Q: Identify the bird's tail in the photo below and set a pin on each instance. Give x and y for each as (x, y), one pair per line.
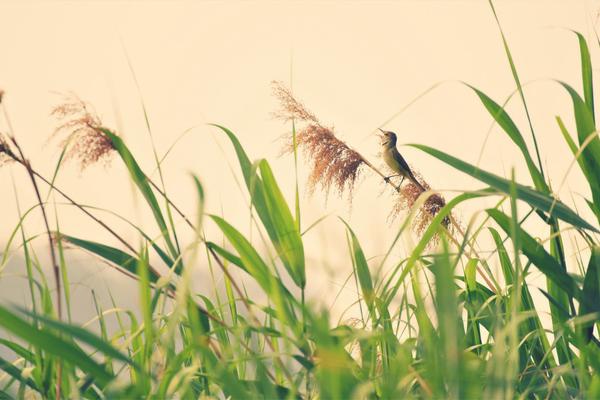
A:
(416, 182)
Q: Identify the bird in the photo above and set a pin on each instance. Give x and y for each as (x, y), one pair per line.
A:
(394, 159)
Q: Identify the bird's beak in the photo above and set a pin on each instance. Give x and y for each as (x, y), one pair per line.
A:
(382, 133)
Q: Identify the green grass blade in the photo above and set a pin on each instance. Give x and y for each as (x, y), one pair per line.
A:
(506, 123)
(114, 255)
(586, 73)
(587, 135)
(362, 270)
(53, 344)
(141, 181)
(533, 197)
(536, 253)
(287, 240)
(590, 297)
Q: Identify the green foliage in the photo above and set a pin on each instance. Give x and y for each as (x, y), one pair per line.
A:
(440, 323)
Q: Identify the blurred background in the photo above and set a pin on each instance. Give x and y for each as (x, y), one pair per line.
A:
(354, 64)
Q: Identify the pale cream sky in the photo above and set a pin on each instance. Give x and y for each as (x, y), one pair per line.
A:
(355, 64)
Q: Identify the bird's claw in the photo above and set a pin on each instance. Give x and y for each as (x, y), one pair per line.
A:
(386, 179)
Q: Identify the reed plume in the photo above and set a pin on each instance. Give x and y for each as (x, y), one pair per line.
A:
(336, 165)
(84, 141)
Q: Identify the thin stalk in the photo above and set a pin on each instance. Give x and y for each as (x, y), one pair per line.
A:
(253, 317)
(53, 259)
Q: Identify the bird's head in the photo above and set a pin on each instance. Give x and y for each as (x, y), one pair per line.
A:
(387, 138)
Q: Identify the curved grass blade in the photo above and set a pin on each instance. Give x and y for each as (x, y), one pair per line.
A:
(586, 134)
(53, 344)
(506, 123)
(17, 374)
(141, 181)
(362, 270)
(536, 253)
(114, 255)
(273, 211)
(586, 73)
(83, 335)
(258, 269)
(287, 240)
(532, 197)
(590, 301)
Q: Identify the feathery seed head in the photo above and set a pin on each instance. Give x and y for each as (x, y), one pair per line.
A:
(333, 162)
(84, 139)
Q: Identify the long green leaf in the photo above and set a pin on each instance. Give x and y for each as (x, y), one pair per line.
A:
(586, 73)
(362, 269)
(539, 257)
(586, 134)
(53, 344)
(533, 197)
(273, 211)
(141, 181)
(287, 240)
(590, 301)
(114, 255)
(507, 124)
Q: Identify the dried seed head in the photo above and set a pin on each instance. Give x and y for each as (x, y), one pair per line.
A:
(84, 139)
(333, 163)
(406, 199)
(291, 109)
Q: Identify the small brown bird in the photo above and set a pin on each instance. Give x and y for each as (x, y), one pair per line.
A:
(394, 159)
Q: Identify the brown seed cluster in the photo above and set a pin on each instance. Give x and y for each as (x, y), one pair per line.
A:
(84, 141)
(333, 163)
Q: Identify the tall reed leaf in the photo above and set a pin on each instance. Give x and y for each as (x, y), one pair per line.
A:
(506, 123)
(586, 73)
(53, 344)
(590, 302)
(111, 254)
(536, 253)
(362, 270)
(141, 181)
(590, 155)
(273, 211)
(256, 267)
(287, 238)
(533, 197)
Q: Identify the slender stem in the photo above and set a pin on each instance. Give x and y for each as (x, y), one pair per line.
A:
(252, 316)
(55, 267)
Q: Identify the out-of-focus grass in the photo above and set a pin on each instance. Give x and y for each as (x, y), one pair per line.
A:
(440, 324)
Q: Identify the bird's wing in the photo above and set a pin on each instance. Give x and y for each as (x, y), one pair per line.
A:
(400, 160)
(404, 165)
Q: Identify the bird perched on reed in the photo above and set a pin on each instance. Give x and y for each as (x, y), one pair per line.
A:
(394, 159)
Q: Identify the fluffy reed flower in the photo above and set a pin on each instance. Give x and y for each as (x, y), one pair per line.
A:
(407, 197)
(85, 141)
(333, 163)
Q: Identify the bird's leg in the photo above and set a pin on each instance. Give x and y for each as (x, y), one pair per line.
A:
(401, 180)
(387, 178)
